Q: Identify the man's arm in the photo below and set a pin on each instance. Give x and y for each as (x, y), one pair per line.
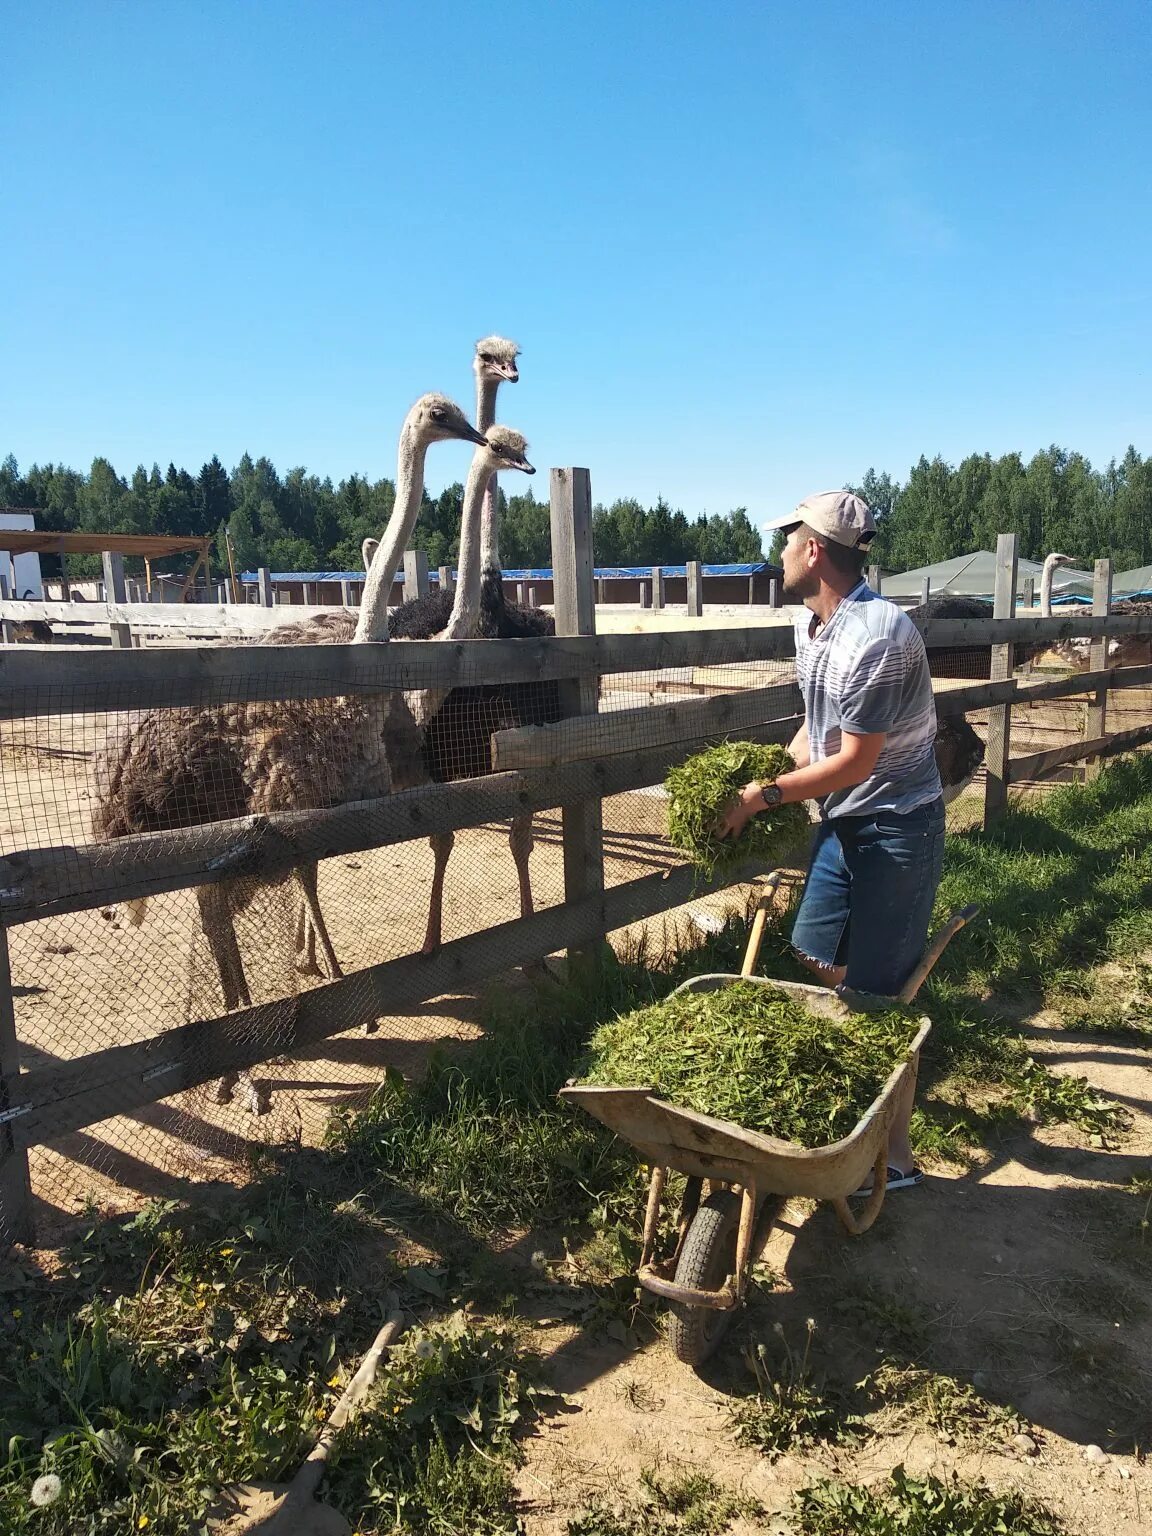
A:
(798, 748)
(855, 761)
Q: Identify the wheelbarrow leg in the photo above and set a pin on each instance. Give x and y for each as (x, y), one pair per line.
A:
(760, 921)
(858, 1224)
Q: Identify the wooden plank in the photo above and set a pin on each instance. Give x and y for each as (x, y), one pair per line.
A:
(694, 580)
(1000, 716)
(570, 510)
(43, 882)
(1038, 764)
(622, 730)
(970, 696)
(15, 1188)
(50, 682)
(415, 574)
(1076, 623)
(54, 1101)
(1096, 721)
(116, 592)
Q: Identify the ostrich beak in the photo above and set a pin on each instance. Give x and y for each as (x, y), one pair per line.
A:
(529, 469)
(508, 371)
(470, 435)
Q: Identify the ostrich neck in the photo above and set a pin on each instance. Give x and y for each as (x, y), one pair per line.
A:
(486, 391)
(464, 620)
(372, 620)
(1046, 576)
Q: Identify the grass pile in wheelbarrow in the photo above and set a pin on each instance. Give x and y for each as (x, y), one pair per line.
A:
(702, 786)
(755, 1056)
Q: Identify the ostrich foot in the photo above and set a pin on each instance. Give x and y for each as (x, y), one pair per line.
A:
(225, 1088)
(257, 1096)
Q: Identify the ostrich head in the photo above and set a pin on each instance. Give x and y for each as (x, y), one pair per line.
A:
(507, 449)
(1046, 575)
(496, 359)
(436, 419)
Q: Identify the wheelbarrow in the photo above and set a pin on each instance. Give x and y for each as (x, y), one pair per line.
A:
(730, 1172)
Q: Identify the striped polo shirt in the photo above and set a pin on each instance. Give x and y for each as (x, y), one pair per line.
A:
(866, 671)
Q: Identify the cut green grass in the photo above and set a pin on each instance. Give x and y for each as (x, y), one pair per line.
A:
(952, 1408)
(755, 1056)
(690, 1505)
(700, 788)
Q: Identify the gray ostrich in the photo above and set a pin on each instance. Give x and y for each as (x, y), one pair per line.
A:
(182, 768)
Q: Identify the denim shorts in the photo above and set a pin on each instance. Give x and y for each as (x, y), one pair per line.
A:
(868, 898)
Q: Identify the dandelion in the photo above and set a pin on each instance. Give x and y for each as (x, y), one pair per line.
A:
(46, 1490)
(16, 1312)
(778, 1330)
(425, 1349)
(810, 1324)
(539, 1259)
(335, 1382)
(226, 1253)
(143, 1523)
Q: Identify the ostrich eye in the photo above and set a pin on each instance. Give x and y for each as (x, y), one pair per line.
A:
(437, 413)
(486, 357)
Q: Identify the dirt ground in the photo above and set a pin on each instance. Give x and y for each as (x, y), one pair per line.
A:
(1026, 1277)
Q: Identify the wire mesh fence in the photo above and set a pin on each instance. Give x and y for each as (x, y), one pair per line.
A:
(116, 963)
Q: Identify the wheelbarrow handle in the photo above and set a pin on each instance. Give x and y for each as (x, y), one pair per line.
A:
(760, 921)
(937, 947)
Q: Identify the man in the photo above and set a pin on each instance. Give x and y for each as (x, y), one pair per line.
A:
(864, 753)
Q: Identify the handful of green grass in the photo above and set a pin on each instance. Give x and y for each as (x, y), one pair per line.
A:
(756, 1056)
(699, 790)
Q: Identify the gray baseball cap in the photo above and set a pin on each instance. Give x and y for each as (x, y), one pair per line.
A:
(838, 515)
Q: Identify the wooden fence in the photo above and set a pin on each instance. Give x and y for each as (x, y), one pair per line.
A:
(571, 766)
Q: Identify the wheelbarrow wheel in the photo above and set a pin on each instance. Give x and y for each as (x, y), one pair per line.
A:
(706, 1260)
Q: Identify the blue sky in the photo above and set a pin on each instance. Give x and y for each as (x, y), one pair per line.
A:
(748, 249)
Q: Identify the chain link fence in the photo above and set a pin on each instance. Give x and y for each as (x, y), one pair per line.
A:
(87, 780)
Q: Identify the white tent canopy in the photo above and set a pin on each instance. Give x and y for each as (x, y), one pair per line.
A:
(974, 575)
(1139, 580)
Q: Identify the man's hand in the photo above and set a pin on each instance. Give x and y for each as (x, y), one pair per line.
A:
(739, 812)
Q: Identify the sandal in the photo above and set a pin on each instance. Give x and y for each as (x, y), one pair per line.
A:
(895, 1180)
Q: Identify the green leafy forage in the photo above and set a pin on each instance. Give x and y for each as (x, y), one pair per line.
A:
(754, 1055)
(701, 787)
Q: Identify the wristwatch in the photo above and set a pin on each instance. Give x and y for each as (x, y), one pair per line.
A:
(771, 794)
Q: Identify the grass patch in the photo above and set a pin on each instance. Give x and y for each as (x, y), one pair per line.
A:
(704, 785)
(913, 1506)
(790, 1410)
(694, 1505)
(757, 1057)
(952, 1408)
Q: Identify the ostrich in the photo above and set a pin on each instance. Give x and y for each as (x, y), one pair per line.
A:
(182, 768)
(458, 738)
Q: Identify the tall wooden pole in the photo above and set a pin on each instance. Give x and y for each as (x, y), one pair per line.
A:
(1000, 715)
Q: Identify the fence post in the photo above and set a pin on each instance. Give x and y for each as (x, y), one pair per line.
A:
(570, 501)
(264, 584)
(445, 574)
(1097, 718)
(875, 580)
(346, 593)
(15, 1186)
(1000, 715)
(1028, 593)
(926, 589)
(115, 592)
(415, 574)
(693, 573)
(657, 586)
(645, 593)
(6, 625)
(775, 593)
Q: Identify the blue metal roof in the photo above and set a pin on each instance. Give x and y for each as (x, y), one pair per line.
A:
(544, 573)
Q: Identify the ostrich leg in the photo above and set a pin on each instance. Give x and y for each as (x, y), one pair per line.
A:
(520, 841)
(441, 845)
(216, 921)
(311, 928)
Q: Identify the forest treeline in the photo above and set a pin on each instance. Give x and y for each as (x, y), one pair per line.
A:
(300, 521)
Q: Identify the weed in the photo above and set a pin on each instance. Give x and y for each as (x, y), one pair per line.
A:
(911, 1506)
(790, 1411)
(694, 1505)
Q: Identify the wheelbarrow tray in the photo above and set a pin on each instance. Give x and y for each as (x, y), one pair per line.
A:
(669, 1136)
